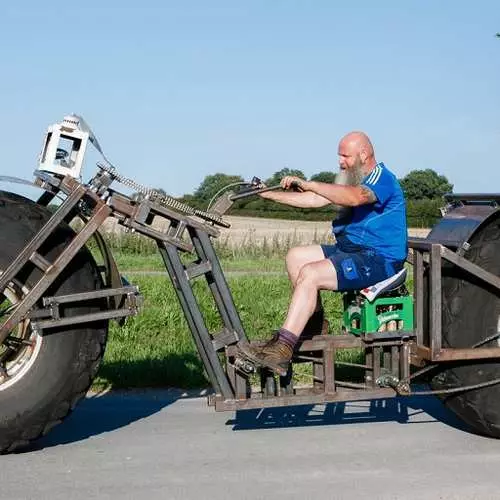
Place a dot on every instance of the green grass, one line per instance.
(132, 244)
(133, 262)
(261, 264)
(156, 348)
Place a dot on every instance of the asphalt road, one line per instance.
(159, 446)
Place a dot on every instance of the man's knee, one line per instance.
(320, 275)
(293, 258)
(297, 257)
(308, 273)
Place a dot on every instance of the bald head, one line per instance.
(356, 154)
(358, 143)
(356, 158)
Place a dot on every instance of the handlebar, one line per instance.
(254, 189)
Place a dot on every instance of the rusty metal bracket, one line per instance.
(51, 315)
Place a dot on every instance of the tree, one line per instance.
(425, 184)
(277, 176)
(212, 184)
(324, 177)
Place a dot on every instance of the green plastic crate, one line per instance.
(383, 314)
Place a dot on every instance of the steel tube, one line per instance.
(418, 296)
(471, 267)
(97, 294)
(218, 284)
(338, 396)
(435, 305)
(83, 318)
(195, 320)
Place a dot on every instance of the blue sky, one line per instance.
(176, 91)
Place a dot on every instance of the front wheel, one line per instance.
(43, 376)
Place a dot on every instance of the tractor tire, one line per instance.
(43, 376)
(471, 313)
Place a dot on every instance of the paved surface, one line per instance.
(155, 446)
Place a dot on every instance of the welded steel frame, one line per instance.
(389, 351)
(94, 202)
(430, 255)
(386, 354)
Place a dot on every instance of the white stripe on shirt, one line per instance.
(374, 176)
(377, 176)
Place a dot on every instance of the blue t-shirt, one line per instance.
(380, 226)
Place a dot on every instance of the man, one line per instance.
(371, 242)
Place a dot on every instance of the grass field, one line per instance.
(156, 349)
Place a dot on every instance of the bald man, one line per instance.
(371, 243)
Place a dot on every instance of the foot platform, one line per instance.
(381, 366)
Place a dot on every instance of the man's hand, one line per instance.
(293, 182)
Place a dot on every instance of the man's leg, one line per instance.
(312, 278)
(296, 259)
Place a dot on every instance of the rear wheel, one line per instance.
(43, 376)
(471, 313)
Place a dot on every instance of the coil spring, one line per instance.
(156, 196)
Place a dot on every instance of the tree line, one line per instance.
(424, 191)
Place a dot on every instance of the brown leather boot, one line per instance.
(266, 343)
(316, 325)
(276, 355)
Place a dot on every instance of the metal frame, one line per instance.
(385, 371)
(433, 254)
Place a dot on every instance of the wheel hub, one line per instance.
(21, 347)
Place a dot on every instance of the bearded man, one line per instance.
(371, 243)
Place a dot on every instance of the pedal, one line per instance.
(387, 380)
(244, 365)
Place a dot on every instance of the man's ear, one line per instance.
(363, 156)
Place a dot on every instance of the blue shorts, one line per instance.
(359, 267)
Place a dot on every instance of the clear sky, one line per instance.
(179, 90)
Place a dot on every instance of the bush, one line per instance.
(423, 213)
(420, 213)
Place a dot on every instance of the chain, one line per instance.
(158, 197)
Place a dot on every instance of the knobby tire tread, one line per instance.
(84, 345)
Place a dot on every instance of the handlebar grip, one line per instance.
(295, 186)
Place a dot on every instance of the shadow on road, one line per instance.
(96, 415)
(408, 410)
(107, 412)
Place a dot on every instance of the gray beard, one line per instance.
(350, 177)
(347, 177)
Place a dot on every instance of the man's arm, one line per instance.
(305, 199)
(347, 196)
